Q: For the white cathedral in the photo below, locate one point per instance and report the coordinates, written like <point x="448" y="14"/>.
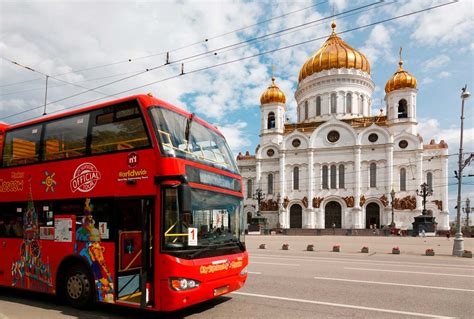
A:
<point x="338" y="165"/>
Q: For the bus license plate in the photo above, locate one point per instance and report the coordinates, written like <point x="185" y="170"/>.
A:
<point x="221" y="290"/>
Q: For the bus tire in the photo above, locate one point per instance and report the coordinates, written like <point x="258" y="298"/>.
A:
<point x="78" y="287"/>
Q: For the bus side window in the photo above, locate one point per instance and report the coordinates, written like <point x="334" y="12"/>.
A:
<point x="117" y="128"/>
<point x="66" y="138"/>
<point x="11" y="221"/>
<point x="22" y="146"/>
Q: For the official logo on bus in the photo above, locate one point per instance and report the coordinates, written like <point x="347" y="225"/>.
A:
<point x="85" y="178"/>
<point x="132" y="159"/>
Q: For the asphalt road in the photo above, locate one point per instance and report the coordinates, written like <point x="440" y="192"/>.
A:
<point x="318" y="284"/>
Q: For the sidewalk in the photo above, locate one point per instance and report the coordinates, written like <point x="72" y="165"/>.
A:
<point x="353" y="244"/>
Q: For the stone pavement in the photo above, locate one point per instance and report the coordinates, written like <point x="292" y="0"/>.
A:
<point x="353" y="244"/>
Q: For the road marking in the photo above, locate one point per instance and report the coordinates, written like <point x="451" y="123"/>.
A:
<point x="361" y="261"/>
<point x="410" y="272"/>
<point x="417" y="314"/>
<point x="254" y="272"/>
<point x="393" y="284"/>
<point x="278" y="264"/>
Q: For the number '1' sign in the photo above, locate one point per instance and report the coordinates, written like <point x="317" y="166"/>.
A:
<point x="192" y="237"/>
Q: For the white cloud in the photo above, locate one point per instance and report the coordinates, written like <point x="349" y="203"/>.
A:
<point x="444" y="74"/>
<point x="446" y="25"/>
<point x="235" y="136"/>
<point x="378" y="45"/>
<point x="436" y="62"/>
<point x="339" y="5"/>
<point x="427" y="80"/>
<point x="431" y="129"/>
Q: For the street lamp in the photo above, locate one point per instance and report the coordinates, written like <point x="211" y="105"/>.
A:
<point x="467" y="210"/>
<point x="458" y="246"/>
<point x="425" y="192"/>
<point x="259" y="195"/>
<point x="392" y="194"/>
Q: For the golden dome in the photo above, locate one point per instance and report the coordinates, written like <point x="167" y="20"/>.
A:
<point x="334" y="53"/>
<point x="273" y="94"/>
<point x="400" y="79"/>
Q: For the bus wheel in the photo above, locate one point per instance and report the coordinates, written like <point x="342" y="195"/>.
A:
<point x="77" y="287"/>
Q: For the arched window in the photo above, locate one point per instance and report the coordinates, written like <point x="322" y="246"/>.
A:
<point x="373" y="175"/>
<point x="271" y="120"/>
<point x="403" y="179"/>
<point x="402" y="109"/>
<point x="429" y="180"/>
<point x="296" y="178"/>
<point x="270" y="183"/>
<point x="249" y="188"/>
<point x="349" y="103"/>
<point x="341" y="177"/>
<point x="305" y="110"/>
<point x="318" y="106"/>
<point x="325" y="177"/>
<point x="333" y="103"/>
<point x="333" y="176"/>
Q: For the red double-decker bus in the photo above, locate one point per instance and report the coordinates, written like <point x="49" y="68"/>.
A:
<point x="133" y="202"/>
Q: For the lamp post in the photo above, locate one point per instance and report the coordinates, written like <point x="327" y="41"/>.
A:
<point x="467" y="210"/>
<point x="425" y="192"/>
<point x="458" y="246"/>
<point x="392" y="194"/>
<point x="259" y="195"/>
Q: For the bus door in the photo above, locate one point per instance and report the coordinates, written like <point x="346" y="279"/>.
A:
<point x="134" y="265"/>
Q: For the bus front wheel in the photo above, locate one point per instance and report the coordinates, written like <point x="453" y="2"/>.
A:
<point x="77" y="287"/>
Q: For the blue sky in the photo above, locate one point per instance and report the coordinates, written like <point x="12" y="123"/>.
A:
<point x="57" y="37"/>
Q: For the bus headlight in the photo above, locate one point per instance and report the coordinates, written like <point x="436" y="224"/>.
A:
<point x="180" y="284"/>
<point x="243" y="272"/>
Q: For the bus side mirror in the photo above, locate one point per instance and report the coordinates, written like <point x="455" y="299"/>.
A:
<point x="184" y="199"/>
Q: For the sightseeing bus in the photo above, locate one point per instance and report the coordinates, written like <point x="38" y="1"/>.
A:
<point x="133" y="202"/>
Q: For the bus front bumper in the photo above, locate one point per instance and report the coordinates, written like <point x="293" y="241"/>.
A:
<point x="173" y="300"/>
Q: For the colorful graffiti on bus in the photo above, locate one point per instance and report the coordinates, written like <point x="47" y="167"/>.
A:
<point x="30" y="271"/>
<point x="88" y="246"/>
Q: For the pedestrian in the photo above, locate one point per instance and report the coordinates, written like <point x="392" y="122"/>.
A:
<point x="423" y="233"/>
<point x="333" y="228"/>
<point x="448" y="234"/>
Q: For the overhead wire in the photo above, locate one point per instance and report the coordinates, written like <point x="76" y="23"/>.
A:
<point x="204" y="41"/>
<point x="235" y="60"/>
<point x="218" y="51"/>
<point x="190" y="57"/>
<point x="49" y="76"/>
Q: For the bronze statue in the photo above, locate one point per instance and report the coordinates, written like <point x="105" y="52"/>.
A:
<point x="349" y="201"/>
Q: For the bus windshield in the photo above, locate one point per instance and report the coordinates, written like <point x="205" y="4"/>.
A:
<point x="180" y="136"/>
<point x="215" y="217"/>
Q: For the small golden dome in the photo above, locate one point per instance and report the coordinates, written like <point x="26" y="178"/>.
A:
<point x="273" y="94"/>
<point x="400" y="79"/>
<point x="334" y="53"/>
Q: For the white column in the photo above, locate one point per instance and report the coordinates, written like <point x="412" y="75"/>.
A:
<point x="419" y="179"/>
<point x="365" y="106"/>
<point x="282" y="189"/>
<point x="444" y="182"/>
<point x="355" y="106"/>
<point x="390" y="170"/>
<point x="258" y="171"/>
<point x="357" y="211"/>
<point x="310" y="220"/>
<point x="443" y="223"/>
